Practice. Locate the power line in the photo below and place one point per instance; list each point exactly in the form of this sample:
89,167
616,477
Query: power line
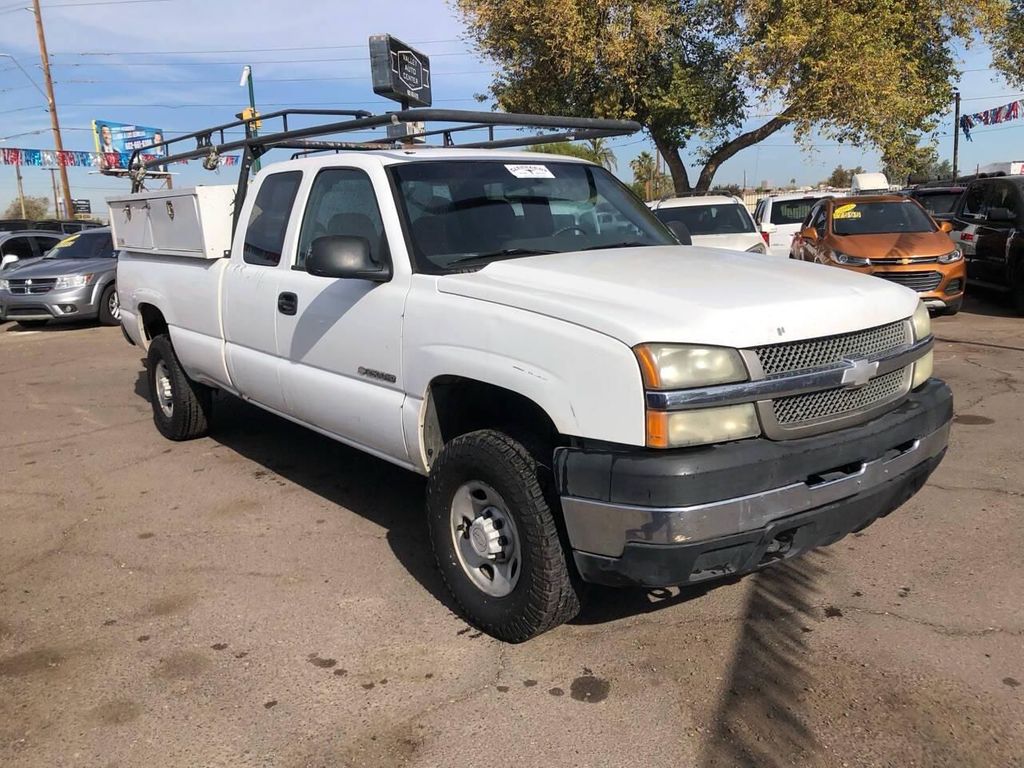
243,50
263,80
233,63
282,104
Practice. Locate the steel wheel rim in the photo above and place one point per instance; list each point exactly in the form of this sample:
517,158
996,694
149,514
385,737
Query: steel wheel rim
485,539
163,391
114,306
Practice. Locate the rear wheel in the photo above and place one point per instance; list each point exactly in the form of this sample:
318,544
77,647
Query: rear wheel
494,535
181,407
110,307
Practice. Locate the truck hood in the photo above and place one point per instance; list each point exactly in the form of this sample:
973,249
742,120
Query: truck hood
56,267
688,294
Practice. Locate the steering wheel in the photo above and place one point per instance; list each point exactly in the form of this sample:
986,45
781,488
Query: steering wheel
570,228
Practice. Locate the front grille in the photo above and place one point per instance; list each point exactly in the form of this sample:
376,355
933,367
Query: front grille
32,286
813,353
916,281
913,260
813,406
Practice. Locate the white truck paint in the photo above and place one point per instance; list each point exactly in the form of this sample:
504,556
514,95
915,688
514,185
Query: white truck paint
364,360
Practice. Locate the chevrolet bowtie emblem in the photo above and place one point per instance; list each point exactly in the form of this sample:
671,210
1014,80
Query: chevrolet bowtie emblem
28,282
859,373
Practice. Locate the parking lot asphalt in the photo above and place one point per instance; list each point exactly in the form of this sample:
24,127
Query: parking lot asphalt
265,597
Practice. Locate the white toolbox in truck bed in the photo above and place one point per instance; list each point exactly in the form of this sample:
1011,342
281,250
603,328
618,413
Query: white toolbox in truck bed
193,222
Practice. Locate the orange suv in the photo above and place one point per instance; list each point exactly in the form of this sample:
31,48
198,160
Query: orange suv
889,236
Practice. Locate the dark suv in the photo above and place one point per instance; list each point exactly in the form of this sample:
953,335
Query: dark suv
988,225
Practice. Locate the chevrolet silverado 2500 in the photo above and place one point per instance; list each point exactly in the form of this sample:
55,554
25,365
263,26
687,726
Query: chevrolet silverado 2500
591,401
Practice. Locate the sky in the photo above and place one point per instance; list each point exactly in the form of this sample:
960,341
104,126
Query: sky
175,65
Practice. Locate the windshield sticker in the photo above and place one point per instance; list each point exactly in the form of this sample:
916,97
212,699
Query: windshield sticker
66,241
847,211
530,171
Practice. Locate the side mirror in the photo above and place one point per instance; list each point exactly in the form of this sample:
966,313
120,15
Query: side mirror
1000,214
341,256
810,234
945,226
9,259
681,231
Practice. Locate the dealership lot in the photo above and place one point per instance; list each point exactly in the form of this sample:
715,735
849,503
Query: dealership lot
267,597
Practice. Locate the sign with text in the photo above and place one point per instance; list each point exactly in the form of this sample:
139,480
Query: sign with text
122,137
82,206
399,72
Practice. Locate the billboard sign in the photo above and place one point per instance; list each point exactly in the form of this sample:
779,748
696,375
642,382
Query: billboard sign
82,207
399,72
124,138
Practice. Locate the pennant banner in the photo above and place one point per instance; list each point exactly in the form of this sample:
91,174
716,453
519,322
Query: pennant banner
98,160
1012,111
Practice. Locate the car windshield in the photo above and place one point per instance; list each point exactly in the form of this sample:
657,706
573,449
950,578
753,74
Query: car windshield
938,202
879,218
711,219
98,245
463,214
792,211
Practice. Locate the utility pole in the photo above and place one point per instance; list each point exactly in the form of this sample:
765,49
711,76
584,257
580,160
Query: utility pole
21,189
956,132
54,122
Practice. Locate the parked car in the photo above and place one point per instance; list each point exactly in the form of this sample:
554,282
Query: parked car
75,280
939,201
714,221
587,407
871,183
889,236
22,245
60,226
778,218
988,226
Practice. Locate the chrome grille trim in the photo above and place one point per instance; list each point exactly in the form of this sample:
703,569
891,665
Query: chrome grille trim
813,353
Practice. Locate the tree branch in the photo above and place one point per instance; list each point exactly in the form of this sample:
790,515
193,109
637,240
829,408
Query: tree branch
731,147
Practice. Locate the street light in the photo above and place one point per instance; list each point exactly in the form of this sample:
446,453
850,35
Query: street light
253,126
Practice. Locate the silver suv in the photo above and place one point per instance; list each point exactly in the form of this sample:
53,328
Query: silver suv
73,281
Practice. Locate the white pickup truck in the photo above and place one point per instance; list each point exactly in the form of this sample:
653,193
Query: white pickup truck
590,405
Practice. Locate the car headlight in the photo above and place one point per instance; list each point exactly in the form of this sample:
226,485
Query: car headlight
4,285
949,258
923,370
72,281
679,366
759,248
677,429
854,261
922,322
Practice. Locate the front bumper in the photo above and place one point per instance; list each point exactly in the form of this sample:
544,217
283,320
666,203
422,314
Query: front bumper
658,518
65,304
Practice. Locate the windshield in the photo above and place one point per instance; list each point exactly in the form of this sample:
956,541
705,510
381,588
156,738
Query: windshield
938,202
463,214
716,219
97,245
880,218
792,211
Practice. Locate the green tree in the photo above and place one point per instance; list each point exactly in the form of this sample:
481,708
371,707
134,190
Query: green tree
914,164
35,208
1008,44
842,177
594,150
694,73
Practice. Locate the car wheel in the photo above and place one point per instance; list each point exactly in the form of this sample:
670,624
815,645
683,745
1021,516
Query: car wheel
1017,293
32,323
494,536
181,407
110,307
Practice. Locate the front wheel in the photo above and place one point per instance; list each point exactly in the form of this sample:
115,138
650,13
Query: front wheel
495,539
181,407
110,307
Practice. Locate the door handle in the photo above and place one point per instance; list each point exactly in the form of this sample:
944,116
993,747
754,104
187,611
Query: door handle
287,303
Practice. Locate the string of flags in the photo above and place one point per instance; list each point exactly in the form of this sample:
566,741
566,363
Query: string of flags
74,159
1012,111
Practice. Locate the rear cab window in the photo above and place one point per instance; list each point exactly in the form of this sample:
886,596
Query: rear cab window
268,220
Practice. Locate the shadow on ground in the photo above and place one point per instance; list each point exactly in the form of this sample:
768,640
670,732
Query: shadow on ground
759,720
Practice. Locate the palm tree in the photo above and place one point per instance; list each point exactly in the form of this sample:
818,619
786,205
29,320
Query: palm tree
643,167
602,154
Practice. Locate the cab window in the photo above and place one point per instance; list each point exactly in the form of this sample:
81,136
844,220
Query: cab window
342,202
268,221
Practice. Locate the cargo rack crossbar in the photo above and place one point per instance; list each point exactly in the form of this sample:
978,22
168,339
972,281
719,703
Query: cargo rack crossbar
210,143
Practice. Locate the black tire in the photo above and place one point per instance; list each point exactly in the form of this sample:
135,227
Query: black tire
32,323
1017,292
190,403
545,594
107,299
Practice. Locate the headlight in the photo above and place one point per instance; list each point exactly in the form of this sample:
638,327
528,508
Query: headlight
949,258
72,281
854,261
922,322
759,248
923,370
677,366
4,285
702,426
